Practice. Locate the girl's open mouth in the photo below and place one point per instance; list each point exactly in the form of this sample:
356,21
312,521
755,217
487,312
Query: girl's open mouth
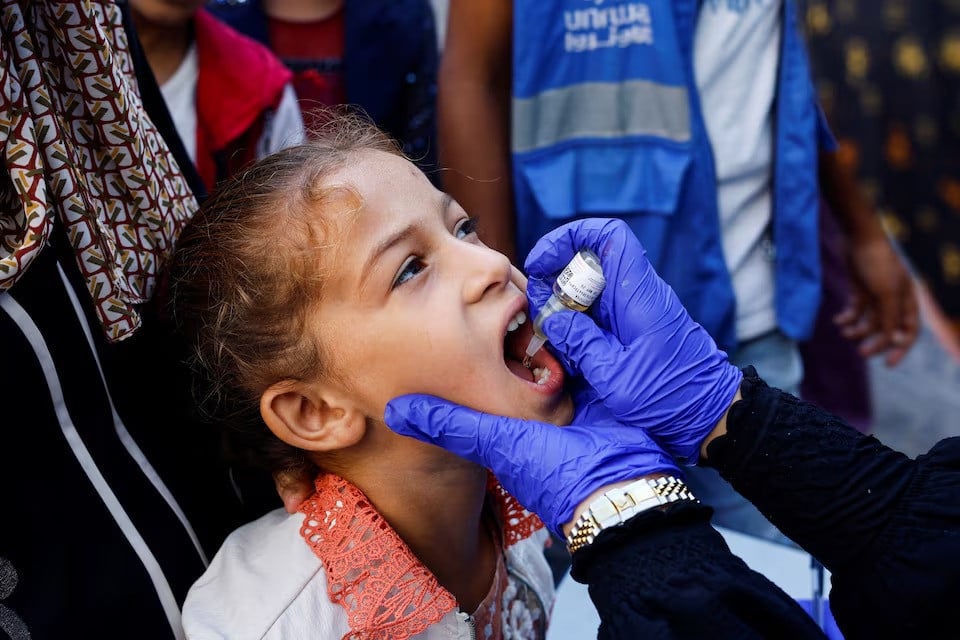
545,372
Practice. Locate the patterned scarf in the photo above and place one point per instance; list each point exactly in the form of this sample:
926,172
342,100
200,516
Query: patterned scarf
78,147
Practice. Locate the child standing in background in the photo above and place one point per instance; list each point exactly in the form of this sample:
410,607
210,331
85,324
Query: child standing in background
378,55
231,100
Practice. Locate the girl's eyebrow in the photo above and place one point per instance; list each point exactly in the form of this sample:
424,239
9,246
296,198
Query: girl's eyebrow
399,236
445,201
385,245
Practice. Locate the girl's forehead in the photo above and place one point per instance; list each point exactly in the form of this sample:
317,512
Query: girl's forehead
373,189
335,219
371,171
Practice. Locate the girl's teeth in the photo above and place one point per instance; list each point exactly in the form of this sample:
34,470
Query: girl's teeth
517,320
542,375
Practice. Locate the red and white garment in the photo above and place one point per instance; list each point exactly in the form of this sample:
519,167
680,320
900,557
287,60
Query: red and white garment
338,570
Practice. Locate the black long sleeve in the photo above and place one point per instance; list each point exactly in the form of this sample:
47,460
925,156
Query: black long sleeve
886,526
669,574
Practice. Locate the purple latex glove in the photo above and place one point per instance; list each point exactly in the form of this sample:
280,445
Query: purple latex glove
650,364
548,469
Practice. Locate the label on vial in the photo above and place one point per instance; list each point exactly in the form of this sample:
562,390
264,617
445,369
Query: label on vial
579,281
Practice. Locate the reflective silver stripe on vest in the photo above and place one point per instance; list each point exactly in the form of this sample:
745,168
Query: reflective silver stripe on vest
600,110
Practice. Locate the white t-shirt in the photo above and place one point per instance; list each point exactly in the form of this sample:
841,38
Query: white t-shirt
180,94
283,129
736,54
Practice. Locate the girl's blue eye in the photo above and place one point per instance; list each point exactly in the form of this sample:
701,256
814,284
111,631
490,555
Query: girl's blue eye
408,271
414,264
466,227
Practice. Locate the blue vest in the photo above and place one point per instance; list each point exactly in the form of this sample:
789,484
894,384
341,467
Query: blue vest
606,121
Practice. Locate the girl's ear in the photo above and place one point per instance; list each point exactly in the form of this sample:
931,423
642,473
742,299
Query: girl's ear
311,416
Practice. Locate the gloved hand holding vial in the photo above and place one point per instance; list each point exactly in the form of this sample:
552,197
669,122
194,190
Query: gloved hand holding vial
625,345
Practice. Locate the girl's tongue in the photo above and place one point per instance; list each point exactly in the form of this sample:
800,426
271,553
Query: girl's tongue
516,368
543,366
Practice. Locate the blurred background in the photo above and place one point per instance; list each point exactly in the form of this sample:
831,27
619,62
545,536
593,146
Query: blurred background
888,77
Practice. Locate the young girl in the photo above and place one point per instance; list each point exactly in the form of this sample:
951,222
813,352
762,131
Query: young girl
317,285
231,100
378,55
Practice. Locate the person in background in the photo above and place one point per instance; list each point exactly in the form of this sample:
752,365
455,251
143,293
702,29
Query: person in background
696,123
231,99
885,525
887,77
107,517
379,56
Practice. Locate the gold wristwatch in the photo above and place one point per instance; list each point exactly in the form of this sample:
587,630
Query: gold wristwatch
620,504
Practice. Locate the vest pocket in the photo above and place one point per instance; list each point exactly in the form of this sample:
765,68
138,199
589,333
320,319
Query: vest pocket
619,177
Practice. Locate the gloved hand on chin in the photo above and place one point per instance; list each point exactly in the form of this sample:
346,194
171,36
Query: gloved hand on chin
548,469
650,364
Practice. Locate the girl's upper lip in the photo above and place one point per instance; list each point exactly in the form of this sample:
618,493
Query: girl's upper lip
518,305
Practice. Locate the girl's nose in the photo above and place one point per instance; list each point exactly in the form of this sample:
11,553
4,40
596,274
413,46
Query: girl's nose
484,270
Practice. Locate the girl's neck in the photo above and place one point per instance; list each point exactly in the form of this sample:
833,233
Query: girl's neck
301,10
438,511
164,47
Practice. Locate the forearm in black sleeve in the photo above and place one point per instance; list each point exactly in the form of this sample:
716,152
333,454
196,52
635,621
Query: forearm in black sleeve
886,526
668,574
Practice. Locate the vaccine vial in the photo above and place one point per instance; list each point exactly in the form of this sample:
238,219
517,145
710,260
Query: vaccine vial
577,287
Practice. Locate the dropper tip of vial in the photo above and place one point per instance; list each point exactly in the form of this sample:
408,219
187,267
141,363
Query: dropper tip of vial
535,343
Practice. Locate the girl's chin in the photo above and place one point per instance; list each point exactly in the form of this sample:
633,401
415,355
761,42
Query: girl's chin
563,411
556,409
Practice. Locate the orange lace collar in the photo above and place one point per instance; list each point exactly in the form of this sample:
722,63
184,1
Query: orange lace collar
385,590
